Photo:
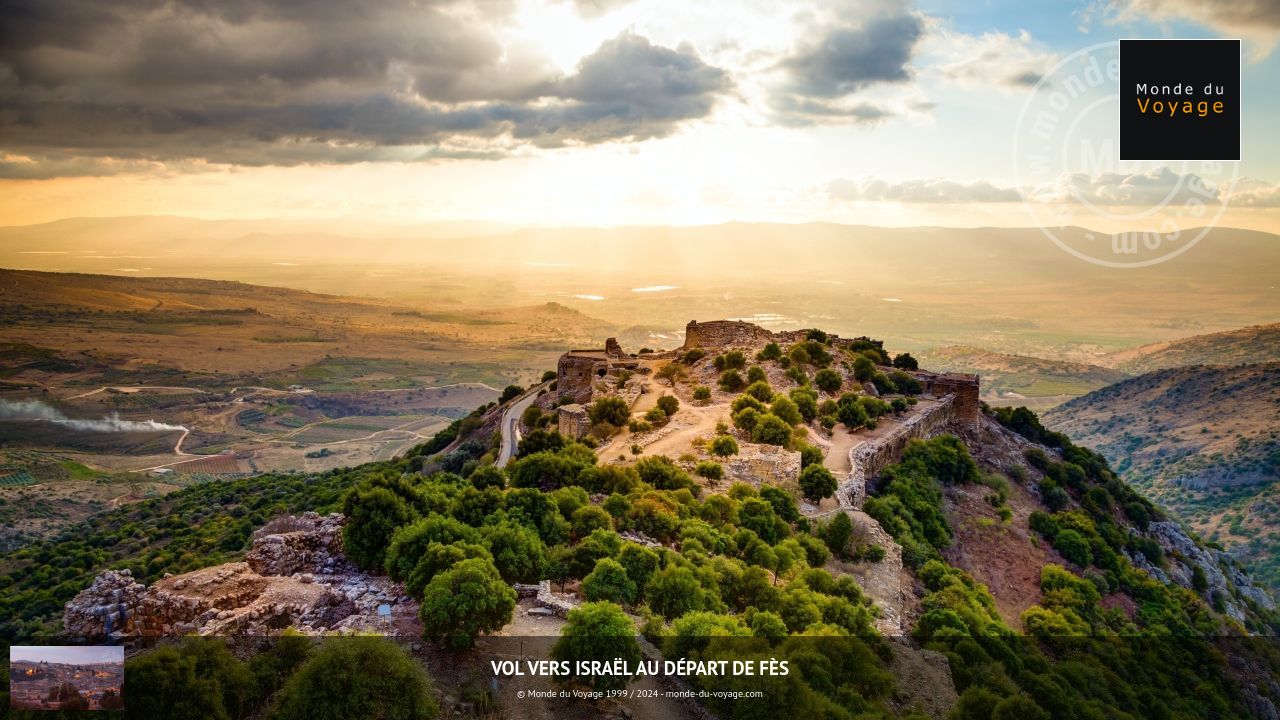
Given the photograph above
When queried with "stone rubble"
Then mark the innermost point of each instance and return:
(294, 575)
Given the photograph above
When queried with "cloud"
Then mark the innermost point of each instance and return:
(1252, 193)
(992, 59)
(1255, 20)
(934, 190)
(36, 410)
(91, 87)
(821, 76)
(1159, 186)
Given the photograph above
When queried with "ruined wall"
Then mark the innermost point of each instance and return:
(869, 458)
(963, 386)
(576, 373)
(724, 334)
(759, 465)
(572, 421)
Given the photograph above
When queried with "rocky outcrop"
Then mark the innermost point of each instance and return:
(289, 545)
(294, 575)
(1186, 556)
(104, 609)
(760, 465)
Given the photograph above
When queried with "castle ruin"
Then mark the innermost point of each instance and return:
(578, 370)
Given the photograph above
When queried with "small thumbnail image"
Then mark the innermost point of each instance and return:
(66, 677)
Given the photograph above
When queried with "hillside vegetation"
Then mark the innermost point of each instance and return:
(1202, 441)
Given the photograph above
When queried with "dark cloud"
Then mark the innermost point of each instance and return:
(844, 61)
(297, 81)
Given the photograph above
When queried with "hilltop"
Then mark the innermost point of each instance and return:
(1200, 440)
(838, 491)
(1254, 344)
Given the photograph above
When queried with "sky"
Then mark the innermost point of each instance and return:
(68, 654)
(604, 112)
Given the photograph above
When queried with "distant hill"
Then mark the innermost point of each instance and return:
(174, 325)
(1202, 440)
(1255, 344)
(1019, 379)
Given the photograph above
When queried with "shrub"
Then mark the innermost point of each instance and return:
(828, 381)
(669, 404)
(836, 534)
(771, 430)
(755, 374)
(609, 581)
(510, 392)
(487, 476)
(518, 553)
(710, 470)
(724, 446)
(770, 351)
(905, 362)
(655, 416)
(332, 685)
(760, 391)
(437, 558)
(731, 381)
(597, 632)
(662, 473)
(675, 591)
(461, 603)
(785, 408)
(817, 482)
(373, 515)
(702, 393)
(611, 410)
(1074, 547)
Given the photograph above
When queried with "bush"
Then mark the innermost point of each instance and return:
(461, 603)
(771, 430)
(655, 416)
(771, 351)
(702, 393)
(609, 581)
(755, 374)
(510, 392)
(611, 410)
(817, 482)
(905, 362)
(836, 534)
(437, 558)
(710, 470)
(785, 408)
(724, 446)
(662, 473)
(669, 404)
(828, 381)
(1074, 547)
(373, 515)
(597, 632)
(487, 476)
(675, 591)
(337, 682)
(760, 391)
(731, 381)
(197, 680)
(518, 553)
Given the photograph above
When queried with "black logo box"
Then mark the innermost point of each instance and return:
(1184, 64)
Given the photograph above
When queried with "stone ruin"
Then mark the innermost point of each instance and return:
(294, 575)
(573, 421)
(578, 371)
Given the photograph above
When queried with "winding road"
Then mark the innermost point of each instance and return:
(511, 421)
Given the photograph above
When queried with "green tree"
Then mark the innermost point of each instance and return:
(408, 543)
(675, 591)
(487, 476)
(817, 482)
(731, 381)
(760, 390)
(661, 472)
(724, 446)
(1073, 547)
(828, 381)
(610, 409)
(770, 351)
(356, 677)
(785, 408)
(461, 603)
(609, 581)
(904, 361)
(510, 392)
(196, 680)
(837, 532)
(589, 518)
(709, 470)
(669, 404)
(863, 368)
(439, 557)
(518, 553)
(601, 632)
(373, 516)
(771, 430)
